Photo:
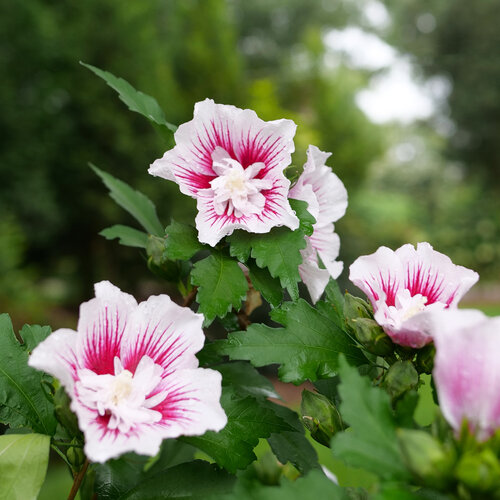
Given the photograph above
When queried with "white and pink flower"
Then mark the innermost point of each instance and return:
(404, 284)
(466, 369)
(326, 197)
(232, 163)
(132, 374)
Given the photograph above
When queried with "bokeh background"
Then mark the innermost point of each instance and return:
(404, 93)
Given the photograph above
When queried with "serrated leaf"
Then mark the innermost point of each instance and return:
(246, 380)
(221, 285)
(336, 298)
(371, 441)
(117, 480)
(23, 402)
(23, 465)
(315, 485)
(269, 287)
(135, 203)
(307, 221)
(135, 100)
(240, 245)
(182, 241)
(306, 349)
(127, 236)
(248, 420)
(279, 251)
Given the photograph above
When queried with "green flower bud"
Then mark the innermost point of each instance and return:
(320, 416)
(354, 307)
(400, 378)
(426, 457)
(479, 470)
(75, 455)
(372, 336)
(425, 359)
(158, 263)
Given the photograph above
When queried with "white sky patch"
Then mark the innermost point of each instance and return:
(393, 94)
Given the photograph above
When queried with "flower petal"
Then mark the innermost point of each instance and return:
(102, 324)
(169, 334)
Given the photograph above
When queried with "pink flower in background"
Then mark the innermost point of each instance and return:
(132, 374)
(232, 163)
(326, 197)
(403, 284)
(466, 369)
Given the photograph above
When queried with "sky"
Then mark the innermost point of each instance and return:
(395, 93)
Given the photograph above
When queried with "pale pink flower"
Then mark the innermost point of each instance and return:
(466, 369)
(232, 163)
(404, 284)
(132, 374)
(326, 197)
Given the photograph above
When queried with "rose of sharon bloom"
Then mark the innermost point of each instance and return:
(466, 369)
(404, 284)
(232, 163)
(132, 374)
(326, 197)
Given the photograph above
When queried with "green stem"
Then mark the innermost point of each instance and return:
(62, 455)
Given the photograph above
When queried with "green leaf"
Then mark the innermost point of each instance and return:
(241, 245)
(279, 251)
(269, 287)
(23, 465)
(221, 285)
(246, 380)
(336, 298)
(135, 203)
(307, 348)
(248, 420)
(128, 236)
(135, 100)
(307, 221)
(182, 241)
(118, 480)
(23, 402)
(371, 442)
(315, 485)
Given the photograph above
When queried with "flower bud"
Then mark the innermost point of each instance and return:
(372, 336)
(75, 455)
(355, 307)
(479, 471)
(158, 263)
(400, 378)
(426, 457)
(320, 416)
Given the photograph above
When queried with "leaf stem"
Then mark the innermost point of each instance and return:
(61, 454)
(189, 298)
(78, 480)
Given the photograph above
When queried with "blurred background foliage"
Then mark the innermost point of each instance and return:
(434, 178)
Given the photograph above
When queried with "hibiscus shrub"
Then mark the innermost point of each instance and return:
(139, 404)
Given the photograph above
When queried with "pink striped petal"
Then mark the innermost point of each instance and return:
(232, 162)
(466, 369)
(404, 284)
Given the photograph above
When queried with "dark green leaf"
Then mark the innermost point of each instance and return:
(246, 380)
(221, 285)
(23, 465)
(135, 100)
(315, 485)
(241, 245)
(307, 221)
(248, 421)
(128, 236)
(336, 298)
(307, 348)
(135, 203)
(269, 287)
(182, 241)
(23, 402)
(371, 441)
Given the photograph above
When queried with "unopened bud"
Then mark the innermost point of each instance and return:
(400, 378)
(320, 416)
(354, 307)
(426, 457)
(75, 455)
(425, 359)
(479, 471)
(372, 336)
